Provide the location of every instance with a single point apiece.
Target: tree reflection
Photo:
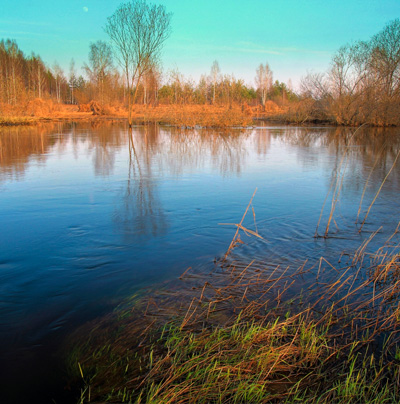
(370, 151)
(157, 152)
(19, 145)
(141, 213)
(104, 140)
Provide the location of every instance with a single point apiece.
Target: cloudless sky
(293, 36)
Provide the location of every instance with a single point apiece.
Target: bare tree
(385, 57)
(150, 84)
(137, 31)
(177, 83)
(363, 83)
(347, 81)
(349, 69)
(314, 85)
(100, 60)
(13, 71)
(72, 80)
(59, 79)
(263, 81)
(215, 72)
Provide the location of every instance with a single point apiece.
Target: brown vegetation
(363, 83)
(177, 115)
(29, 88)
(95, 108)
(195, 115)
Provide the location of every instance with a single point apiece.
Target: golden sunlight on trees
(137, 31)
(72, 80)
(363, 83)
(60, 81)
(263, 81)
(100, 68)
(12, 63)
(149, 86)
(215, 72)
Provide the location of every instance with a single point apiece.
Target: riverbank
(187, 116)
(206, 116)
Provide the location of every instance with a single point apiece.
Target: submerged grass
(254, 334)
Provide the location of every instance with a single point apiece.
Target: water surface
(89, 215)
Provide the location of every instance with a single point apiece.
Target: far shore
(188, 116)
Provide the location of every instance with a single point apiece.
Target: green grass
(287, 360)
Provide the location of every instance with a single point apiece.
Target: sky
(294, 36)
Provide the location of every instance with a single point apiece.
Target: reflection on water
(21, 146)
(141, 212)
(91, 213)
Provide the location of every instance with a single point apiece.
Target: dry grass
(195, 115)
(210, 116)
(17, 120)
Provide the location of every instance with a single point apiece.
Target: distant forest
(362, 84)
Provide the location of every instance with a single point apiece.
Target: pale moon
(85, 9)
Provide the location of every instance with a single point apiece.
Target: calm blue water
(87, 219)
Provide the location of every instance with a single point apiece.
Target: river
(91, 213)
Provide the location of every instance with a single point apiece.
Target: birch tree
(263, 81)
(59, 79)
(72, 80)
(137, 31)
(100, 65)
(215, 72)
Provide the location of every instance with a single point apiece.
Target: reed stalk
(378, 192)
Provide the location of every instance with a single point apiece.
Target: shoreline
(186, 116)
(32, 121)
(169, 120)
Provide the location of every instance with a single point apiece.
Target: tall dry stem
(379, 190)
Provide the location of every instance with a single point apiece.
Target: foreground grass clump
(292, 359)
(288, 361)
(336, 343)
(241, 363)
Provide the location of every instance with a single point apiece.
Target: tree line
(23, 78)
(362, 84)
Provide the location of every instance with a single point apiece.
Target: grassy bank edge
(184, 116)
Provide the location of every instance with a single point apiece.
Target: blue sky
(293, 36)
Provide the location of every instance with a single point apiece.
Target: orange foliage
(95, 108)
(270, 109)
(84, 108)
